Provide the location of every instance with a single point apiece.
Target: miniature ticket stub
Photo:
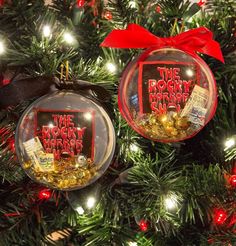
(32, 148)
(197, 115)
(195, 107)
(35, 152)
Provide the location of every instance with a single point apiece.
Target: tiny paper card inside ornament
(33, 147)
(195, 107)
(68, 131)
(165, 85)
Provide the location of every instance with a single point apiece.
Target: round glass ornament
(167, 95)
(65, 140)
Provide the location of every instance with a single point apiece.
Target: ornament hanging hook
(67, 70)
(62, 71)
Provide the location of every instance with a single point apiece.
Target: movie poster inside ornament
(70, 132)
(166, 85)
(62, 147)
(172, 101)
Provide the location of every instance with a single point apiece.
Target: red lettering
(166, 97)
(185, 97)
(46, 132)
(161, 70)
(66, 145)
(170, 86)
(176, 73)
(72, 143)
(57, 154)
(46, 143)
(162, 108)
(153, 106)
(53, 143)
(178, 97)
(152, 97)
(64, 132)
(55, 131)
(159, 96)
(161, 85)
(55, 119)
(169, 74)
(152, 85)
(63, 136)
(62, 120)
(71, 132)
(59, 143)
(187, 85)
(178, 86)
(172, 98)
(69, 120)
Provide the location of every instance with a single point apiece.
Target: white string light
(68, 38)
(47, 31)
(2, 48)
(80, 210)
(230, 143)
(132, 4)
(132, 244)
(133, 147)
(111, 67)
(170, 202)
(50, 125)
(91, 202)
(88, 116)
(189, 72)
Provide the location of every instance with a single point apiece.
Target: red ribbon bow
(195, 40)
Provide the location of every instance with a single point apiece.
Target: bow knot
(195, 40)
(170, 42)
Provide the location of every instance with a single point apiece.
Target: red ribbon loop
(195, 40)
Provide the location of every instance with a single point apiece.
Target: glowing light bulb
(80, 210)
(47, 31)
(132, 244)
(132, 4)
(44, 194)
(220, 216)
(68, 38)
(91, 202)
(134, 147)
(229, 142)
(88, 116)
(111, 67)
(190, 72)
(232, 181)
(2, 48)
(80, 3)
(50, 125)
(143, 225)
(170, 203)
(201, 3)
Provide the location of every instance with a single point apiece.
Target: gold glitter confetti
(66, 175)
(168, 126)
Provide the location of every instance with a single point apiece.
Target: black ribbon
(21, 90)
(86, 88)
